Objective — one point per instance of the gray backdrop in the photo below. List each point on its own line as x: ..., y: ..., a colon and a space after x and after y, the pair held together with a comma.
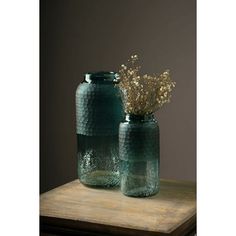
x: 84, y: 35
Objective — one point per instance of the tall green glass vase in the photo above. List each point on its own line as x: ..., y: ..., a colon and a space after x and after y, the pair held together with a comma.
x: 98, y: 114
x: 139, y: 155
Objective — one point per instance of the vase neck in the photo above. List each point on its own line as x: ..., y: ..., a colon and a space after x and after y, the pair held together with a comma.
x: 140, y: 118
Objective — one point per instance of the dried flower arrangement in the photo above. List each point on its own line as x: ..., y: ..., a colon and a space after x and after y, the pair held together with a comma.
x: 143, y: 94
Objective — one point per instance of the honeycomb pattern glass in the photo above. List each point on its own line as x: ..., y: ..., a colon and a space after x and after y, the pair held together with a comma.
x: 139, y: 156
x: 98, y: 114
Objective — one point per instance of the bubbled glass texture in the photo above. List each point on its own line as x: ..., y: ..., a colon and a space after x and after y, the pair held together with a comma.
x: 98, y: 160
x: 139, y: 156
x: 98, y: 114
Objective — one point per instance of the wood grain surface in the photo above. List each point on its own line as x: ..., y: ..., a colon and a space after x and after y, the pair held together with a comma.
x: 74, y: 207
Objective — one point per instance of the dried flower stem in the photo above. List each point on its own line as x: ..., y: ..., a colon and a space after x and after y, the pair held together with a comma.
x: 143, y: 94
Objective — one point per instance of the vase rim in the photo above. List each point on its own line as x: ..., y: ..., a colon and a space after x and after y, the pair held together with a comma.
x: 135, y: 117
x: 101, y: 77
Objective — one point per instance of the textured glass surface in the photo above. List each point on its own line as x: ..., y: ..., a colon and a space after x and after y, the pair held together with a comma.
x: 139, y: 156
x: 98, y: 109
x: 98, y: 114
x: 98, y: 160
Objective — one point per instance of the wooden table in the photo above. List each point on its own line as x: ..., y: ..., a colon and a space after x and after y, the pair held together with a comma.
x: 73, y: 209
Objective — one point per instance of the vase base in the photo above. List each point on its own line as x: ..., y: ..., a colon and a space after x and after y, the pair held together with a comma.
x: 100, y: 179
x: 140, y: 194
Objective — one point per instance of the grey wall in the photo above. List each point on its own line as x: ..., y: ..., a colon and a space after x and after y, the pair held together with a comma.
x: 84, y: 35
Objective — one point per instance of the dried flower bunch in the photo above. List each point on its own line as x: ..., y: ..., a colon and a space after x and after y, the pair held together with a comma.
x: 143, y: 94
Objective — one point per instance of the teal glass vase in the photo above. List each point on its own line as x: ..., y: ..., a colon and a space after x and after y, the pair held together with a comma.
x: 139, y: 155
x: 98, y: 114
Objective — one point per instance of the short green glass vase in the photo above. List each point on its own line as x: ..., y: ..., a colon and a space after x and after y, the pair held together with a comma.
x: 139, y: 154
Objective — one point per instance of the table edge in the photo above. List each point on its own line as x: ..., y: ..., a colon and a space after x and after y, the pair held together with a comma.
x: 77, y: 225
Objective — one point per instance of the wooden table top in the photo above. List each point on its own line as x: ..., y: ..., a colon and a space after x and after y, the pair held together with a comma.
x: 76, y: 207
